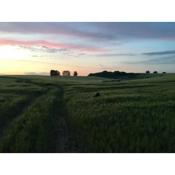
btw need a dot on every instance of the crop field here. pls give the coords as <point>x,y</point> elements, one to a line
<point>40,114</point>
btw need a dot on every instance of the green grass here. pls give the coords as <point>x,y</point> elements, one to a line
<point>59,114</point>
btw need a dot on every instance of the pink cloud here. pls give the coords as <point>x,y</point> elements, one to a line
<point>50,28</point>
<point>51,45</point>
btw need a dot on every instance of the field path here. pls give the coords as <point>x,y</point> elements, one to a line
<point>62,126</point>
<point>39,126</point>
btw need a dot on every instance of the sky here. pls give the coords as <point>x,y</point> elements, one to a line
<point>37,47</point>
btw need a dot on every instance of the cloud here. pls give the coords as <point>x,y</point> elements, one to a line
<point>50,46</point>
<point>163,60</point>
<point>157,57</point>
<point>45,49</point>
<point>107,31</point>
<point>116,54</point>
<point>168,52</point>
<point>160,57</point>
<point>158,60</point>
<point>153,53</point>
<point>74,29</point>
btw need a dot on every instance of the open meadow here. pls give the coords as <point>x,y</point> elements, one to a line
<point>87,114</point>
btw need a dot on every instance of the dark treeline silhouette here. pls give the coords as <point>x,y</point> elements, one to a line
<point>54,73</point>
<point>115,74</point>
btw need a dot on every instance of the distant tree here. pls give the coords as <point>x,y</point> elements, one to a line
<point>155,72</point>
<point>164,72</point>
<point>66,73</point>
<point>54,73</point>
<point>147,72</point>
<point>75,74</point>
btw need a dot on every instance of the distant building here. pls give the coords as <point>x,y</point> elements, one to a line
<point>66,73</point>
<point>75,74</point>
<point>54,73</point>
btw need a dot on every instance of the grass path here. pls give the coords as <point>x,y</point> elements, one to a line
<point>41,127</point>
<point>18,106</point>
<point>62,140</point>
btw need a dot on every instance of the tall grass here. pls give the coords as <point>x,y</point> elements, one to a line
<point>48,114</point>
<point>35,129</point>
<point>134,117</point>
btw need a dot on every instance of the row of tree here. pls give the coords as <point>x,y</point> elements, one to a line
<point>155,72</point>
<point>64,73</point>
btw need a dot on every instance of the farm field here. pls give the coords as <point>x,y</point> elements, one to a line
<point>40,114</point>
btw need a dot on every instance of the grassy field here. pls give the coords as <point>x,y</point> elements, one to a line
<point>56,114</point>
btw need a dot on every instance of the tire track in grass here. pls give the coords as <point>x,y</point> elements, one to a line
<point>40,128</point>
<point>10,110</point>
<point>14,110</point>
<point>66,142</point>
<point>62,138</point>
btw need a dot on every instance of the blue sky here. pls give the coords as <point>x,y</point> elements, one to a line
<point>35,48</point>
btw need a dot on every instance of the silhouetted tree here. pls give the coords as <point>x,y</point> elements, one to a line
<point>155,72</point>
<point>164,72</point>
<point>66,73</point>
<point>75,74</point>
<point>54,73</point>
<point>147,72</point>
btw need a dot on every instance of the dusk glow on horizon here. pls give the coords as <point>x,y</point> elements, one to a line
<point>37,47</point>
